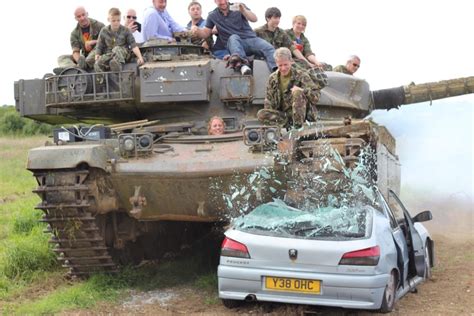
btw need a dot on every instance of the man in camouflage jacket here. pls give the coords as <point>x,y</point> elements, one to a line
<point>291,94</point>
<point>352,65</point>
<point>115,44</point>
<point>83,40</point>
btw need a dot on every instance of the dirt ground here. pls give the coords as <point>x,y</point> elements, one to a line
<point>449,292</point>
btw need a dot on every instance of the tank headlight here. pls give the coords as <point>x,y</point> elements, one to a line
<point>254,136</point>
<point>129,143</point>
<point>135,144</point>
<point>271,136</point>
<point>145,141</point>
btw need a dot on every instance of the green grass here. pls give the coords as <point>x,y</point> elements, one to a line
<point>16,180</point>
<point>19,216</point>
<point>81,295</point>
<point>84,295</point>
<point>24,254</point>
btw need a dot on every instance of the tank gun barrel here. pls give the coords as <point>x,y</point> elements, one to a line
<point>413,93</point>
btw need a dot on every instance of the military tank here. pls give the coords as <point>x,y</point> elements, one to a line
<point>134,173</point>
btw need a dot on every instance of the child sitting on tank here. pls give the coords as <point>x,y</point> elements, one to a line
<point>114,45</point>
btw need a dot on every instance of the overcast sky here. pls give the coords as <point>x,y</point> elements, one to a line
<point>398,41</point>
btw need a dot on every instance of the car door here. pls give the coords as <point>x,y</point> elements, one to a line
<point>416,251</point>
<point>399,240</point>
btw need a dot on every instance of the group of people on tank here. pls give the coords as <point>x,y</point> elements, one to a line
<point>293,89</point>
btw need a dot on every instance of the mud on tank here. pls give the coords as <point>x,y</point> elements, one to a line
<point>138,176</point>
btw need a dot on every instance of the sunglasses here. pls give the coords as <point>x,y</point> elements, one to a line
<point>356,65</point>
<point>131,17</point>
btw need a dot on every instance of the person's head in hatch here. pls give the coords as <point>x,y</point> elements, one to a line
<point>216,126</point>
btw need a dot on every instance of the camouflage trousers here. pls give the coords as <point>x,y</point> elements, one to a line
<point>66,61</point>
<point>119,55</point>
<point>294,115</point>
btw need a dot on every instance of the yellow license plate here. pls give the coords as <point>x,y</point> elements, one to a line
<point>293,285</point>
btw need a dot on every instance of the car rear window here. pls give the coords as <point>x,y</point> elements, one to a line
<point>278,219</point>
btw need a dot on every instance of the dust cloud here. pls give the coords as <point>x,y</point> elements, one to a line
<point>435,146</point>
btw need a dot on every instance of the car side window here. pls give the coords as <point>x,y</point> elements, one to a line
<point>396,208</point>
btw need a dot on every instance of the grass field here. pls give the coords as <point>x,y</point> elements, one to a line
<point>31,280</point>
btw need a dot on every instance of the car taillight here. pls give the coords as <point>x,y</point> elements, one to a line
<point>362,257</point>
<point>232,248</point>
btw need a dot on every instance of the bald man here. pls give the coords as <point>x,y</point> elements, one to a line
<point>130,21</point>
<point>83,40</point>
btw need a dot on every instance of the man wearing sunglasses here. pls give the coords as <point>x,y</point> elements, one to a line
<point>130,21</point>
<point>352,65</point>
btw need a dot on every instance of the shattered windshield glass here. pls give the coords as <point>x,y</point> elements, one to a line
<point>278,219</point>
<point>328,191</point>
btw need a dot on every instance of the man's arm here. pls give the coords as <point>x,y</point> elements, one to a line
<point>249,15</point>
<point>203,32</point>
<point>137,53</point>
<point>300,56</point>
<point>271,97</point>
<point>314,61</point>
<point>75,46</point>
<point>310,89</point>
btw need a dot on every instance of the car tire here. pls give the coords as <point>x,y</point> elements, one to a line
<point>231,303</point>
<point>390,294</point>
<point>428,273</point>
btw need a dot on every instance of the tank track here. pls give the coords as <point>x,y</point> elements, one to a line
<point>69,212</point>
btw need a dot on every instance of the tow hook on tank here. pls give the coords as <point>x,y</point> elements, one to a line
<point>138,202</point>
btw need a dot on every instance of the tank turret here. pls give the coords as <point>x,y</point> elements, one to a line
<point>146,178</point>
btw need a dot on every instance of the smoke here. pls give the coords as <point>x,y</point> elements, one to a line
<point>435,145</point>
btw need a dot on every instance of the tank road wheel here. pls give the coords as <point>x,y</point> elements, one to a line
<point>72,221</point>
<point>390,294</point>
<point>132,253</point>
<point>75,81</point>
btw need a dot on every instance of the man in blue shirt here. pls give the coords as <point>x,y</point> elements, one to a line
<point>234,34</point>
<point>157,23</point>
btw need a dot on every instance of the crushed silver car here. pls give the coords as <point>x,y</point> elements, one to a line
<point>364,256</point>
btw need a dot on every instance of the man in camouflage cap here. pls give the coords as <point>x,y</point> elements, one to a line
<point>352,65</point>
<point>83,40</point>
<point>291,95</point>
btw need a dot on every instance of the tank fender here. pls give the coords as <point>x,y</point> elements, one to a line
<point>70,156</point>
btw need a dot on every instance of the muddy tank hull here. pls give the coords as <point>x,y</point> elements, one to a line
<point>114,209</point>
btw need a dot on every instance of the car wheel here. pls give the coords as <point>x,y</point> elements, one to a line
<point>428,273</point>
<point>231,303</point>
<point>389,295</point>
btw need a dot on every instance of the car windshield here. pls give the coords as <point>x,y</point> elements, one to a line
<point>278,219</point>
